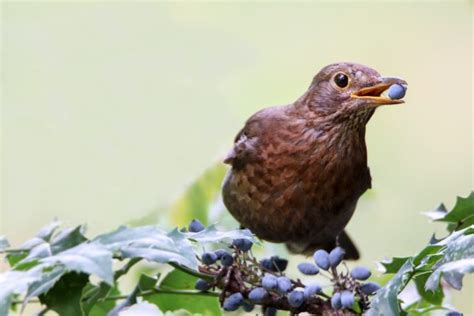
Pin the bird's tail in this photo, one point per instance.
(343, 241)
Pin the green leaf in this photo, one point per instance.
(87, 258)
(211, 235)
(463, 209)
(147, 282)
(461, 216)
(179, 280)
(44, 235)
(197, 199)
(434, 297)
(150, 243)
(67, 238)
(385, 302)
(65, 296)
(94, 301)
(458, 259)
(48, 277)
(3, 243)
(14, 282)
(393, 265)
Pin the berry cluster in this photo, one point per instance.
(246, 282)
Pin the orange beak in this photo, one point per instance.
(373, 94)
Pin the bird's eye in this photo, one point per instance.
(341, 80)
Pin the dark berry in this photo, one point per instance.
(312, 289)
(296, 298)
(227, 260)
(369, 288)
(270, 311)
(258, 294)
(275, 264)
(279, 264)
(233, 302)
(347, 299)
(220, 252)
(208, 258)
(336, 301)
(453, 313)
(335, 256)
(196, 226)
(202, 285)
(283, 284)
(308, 268)
(247, 307)
(269, 282)
(321, 257)
(360, 273)
(243, 244)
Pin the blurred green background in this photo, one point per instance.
(110, 110)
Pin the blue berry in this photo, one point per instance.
(336, 301)
(453, 313)
(347, 299)
(321, 257)
(258, 294)
(227, 260)
(396, 91)
(243, 244)
(202, 285)
(308, 268)
(312, 289)
(360, 273)
(220, 252)
(269, 282)
(196, 226)
(283, 284)
(247, 307)
(335, 256)
(369, 288)
(296, 298)
(233, 302)
(208, 258)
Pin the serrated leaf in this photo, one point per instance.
(438, 213)
(463, 209)
(87, 258)
(211, 235)
(14, 282)
(385, 302)
(67, 238)
(458, 259)
(3, 243)
(422, 257)
(394, 264)
(434, 297)
(150, 243)
(65, 296)
(45, 281)
(44, 235)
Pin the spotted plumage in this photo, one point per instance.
(299, 169)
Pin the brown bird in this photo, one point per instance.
(299, 169)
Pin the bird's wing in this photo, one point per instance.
(247, 144)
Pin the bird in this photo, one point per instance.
(298, 170)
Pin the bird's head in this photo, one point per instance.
(349, 91)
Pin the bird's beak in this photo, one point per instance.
(375, 94)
